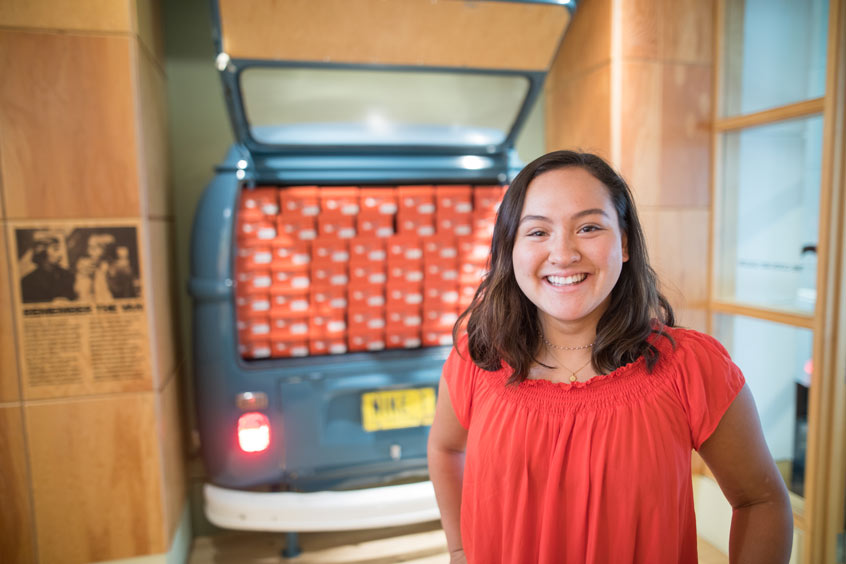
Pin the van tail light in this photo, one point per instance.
(253, 432)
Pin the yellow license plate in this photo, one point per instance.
(397, 409)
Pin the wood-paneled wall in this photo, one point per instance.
(632, 82)
(96, 472)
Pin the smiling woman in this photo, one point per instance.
(568, 411)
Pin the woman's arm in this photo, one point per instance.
(447, 439)
(762, 520)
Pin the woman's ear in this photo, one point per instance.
(625, 244)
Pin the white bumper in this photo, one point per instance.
(371, 508)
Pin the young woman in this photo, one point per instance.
(567, 413)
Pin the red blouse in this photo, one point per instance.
(592, 472)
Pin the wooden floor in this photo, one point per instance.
(415, 544)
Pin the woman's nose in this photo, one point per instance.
(563, 250)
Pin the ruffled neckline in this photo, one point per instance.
(640, 363)
(629, 383)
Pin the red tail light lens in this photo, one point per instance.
(253, 432)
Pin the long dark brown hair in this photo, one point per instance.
(502, 323)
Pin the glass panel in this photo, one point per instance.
(776, 361)
(769, 215)
(775, 53)
(357, 107)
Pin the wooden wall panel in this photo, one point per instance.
(677, 240)
(411, 32)
(161, 300)
(174, 481)
(665, 132)
(578, 113)
(587, 42)
(9, 384)
(685, 135)
(687, 30)
(68, 147)
(80, 15)
(640, 129)
(152, 99)
(96, 478)
(16, 523)
(640, 29)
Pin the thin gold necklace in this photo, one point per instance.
(573, 373)
(560, 348)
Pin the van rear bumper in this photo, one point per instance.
(370, 508)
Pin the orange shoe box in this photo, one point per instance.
(487, 198)
(483, 227)
(439, 320)
(404, 246)
(419, 199)
(253, 327)
(439, 271)
(440, 296)
(366, 340)
(286, 328)
(409, 294)
(402, 318)
(415, 223)
(298, 227)
(290, 255)
(302, 201)
(404, 272)
(368, 248)
(285, 349)
(255, 349)
(252, 281)
(458, 226)
(414, 274)
(339, 226)
(252, 224)
(327, 326)
(365, 295)
(254, 254)
(434, 338)
(289, 302)
(474, 249)
(330, 274)
(264, 199)
(442, 246)
(328, 250)
(284, 280)
(252, 304)
(375, 226)
(377, 201)
(403, 339)
(328, 301)
(366, 272)
(366, 319)
(453, 199)
(342, 200)
(327, 345)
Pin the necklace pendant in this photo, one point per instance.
(573, 378)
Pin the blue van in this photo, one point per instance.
(383, 95)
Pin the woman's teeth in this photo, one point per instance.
(566, 280)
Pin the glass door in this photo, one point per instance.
(776, 219)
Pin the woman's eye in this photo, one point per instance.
(589, 228)
(536, 233)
